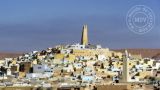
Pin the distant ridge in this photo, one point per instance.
(148, 53)
(9, 55)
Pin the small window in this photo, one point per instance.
(39, 67)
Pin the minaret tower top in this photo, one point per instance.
(84, 38)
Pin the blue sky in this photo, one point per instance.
(27, 25)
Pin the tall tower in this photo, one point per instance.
(84, 38)
(125, 73)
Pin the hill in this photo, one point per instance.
(149, 53)
(9, 55)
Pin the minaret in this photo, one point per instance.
(84, 38)
(125, 67)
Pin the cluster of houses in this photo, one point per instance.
(69, 65)
(77, 65)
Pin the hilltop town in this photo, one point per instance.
(81, 66)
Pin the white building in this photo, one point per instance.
(41, 69)
(102, 57)
(76, 46)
